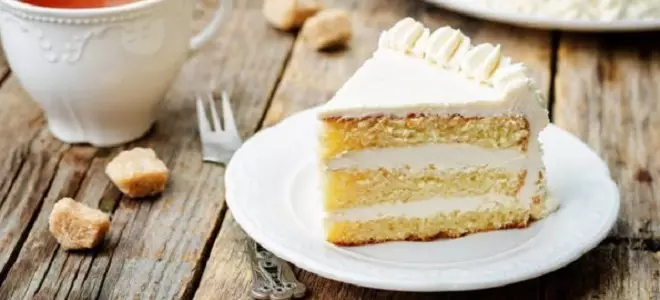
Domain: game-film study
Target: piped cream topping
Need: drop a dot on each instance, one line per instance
(510, 74)
(442, 45)
(402, 36)
(450, 49)
(419, 49)
(480, 62)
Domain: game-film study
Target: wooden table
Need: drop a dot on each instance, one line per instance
(603, 88)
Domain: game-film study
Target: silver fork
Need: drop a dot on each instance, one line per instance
(272, 277)
(220, 142)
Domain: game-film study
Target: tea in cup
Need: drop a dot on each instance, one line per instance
(99, 73)
(78, 3)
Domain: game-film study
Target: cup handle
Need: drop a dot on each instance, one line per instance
(211, 29)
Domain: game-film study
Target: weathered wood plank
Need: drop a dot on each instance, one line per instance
(25, 196)
(227, 274)
(156, 247)
(22, 120)
(636, 276)
(607, 94)
(29, 160)
(39, 247)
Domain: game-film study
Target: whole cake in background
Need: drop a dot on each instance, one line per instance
(432, 137)
(585, 10)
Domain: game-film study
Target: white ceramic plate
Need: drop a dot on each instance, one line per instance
(272, 191)
(546, 23)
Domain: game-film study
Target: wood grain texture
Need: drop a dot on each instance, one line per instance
(25, 197)
(227, 274)
(607, 94)
(22, 120)
(156, 247)
(29, 160)
(636, 275)
(35, 258)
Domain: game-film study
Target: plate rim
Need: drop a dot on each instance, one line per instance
(315, 267)
(548, 23)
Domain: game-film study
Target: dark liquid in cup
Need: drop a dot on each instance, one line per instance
(78, 3)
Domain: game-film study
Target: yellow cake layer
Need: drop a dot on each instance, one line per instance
(342, 135)
(451, 225)
(350, 188)
(538, 201)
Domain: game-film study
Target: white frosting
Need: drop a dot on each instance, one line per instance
(420, 157)
(392, 83)
(451, 76)
(480, 61)
(419, 49)
(449, 73)
(442, 45)
(587, 10)
(402, 36)
(509, 75)
(463, 48)
(427, 208)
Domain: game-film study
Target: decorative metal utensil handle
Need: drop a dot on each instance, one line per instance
(272, 278)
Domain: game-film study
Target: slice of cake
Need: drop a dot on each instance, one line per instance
(432, 137)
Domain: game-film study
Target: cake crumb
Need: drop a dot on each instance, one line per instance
(77, 226)
(328, 29)
(138, 172)
(551, 205)
(289, 14)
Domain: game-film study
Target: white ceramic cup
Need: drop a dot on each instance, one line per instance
(100, 73)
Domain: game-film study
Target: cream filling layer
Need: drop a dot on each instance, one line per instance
(428, 208)
(441, 156)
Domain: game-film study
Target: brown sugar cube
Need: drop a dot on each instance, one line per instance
(327, 29)
(138, 172)
(77, 226)
(289, 14)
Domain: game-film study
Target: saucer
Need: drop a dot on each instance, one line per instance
(273, 192)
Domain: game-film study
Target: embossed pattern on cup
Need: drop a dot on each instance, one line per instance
(99, 74)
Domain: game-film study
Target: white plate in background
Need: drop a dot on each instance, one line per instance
(546, 23)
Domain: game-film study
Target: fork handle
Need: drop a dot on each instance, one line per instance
(272, 277)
